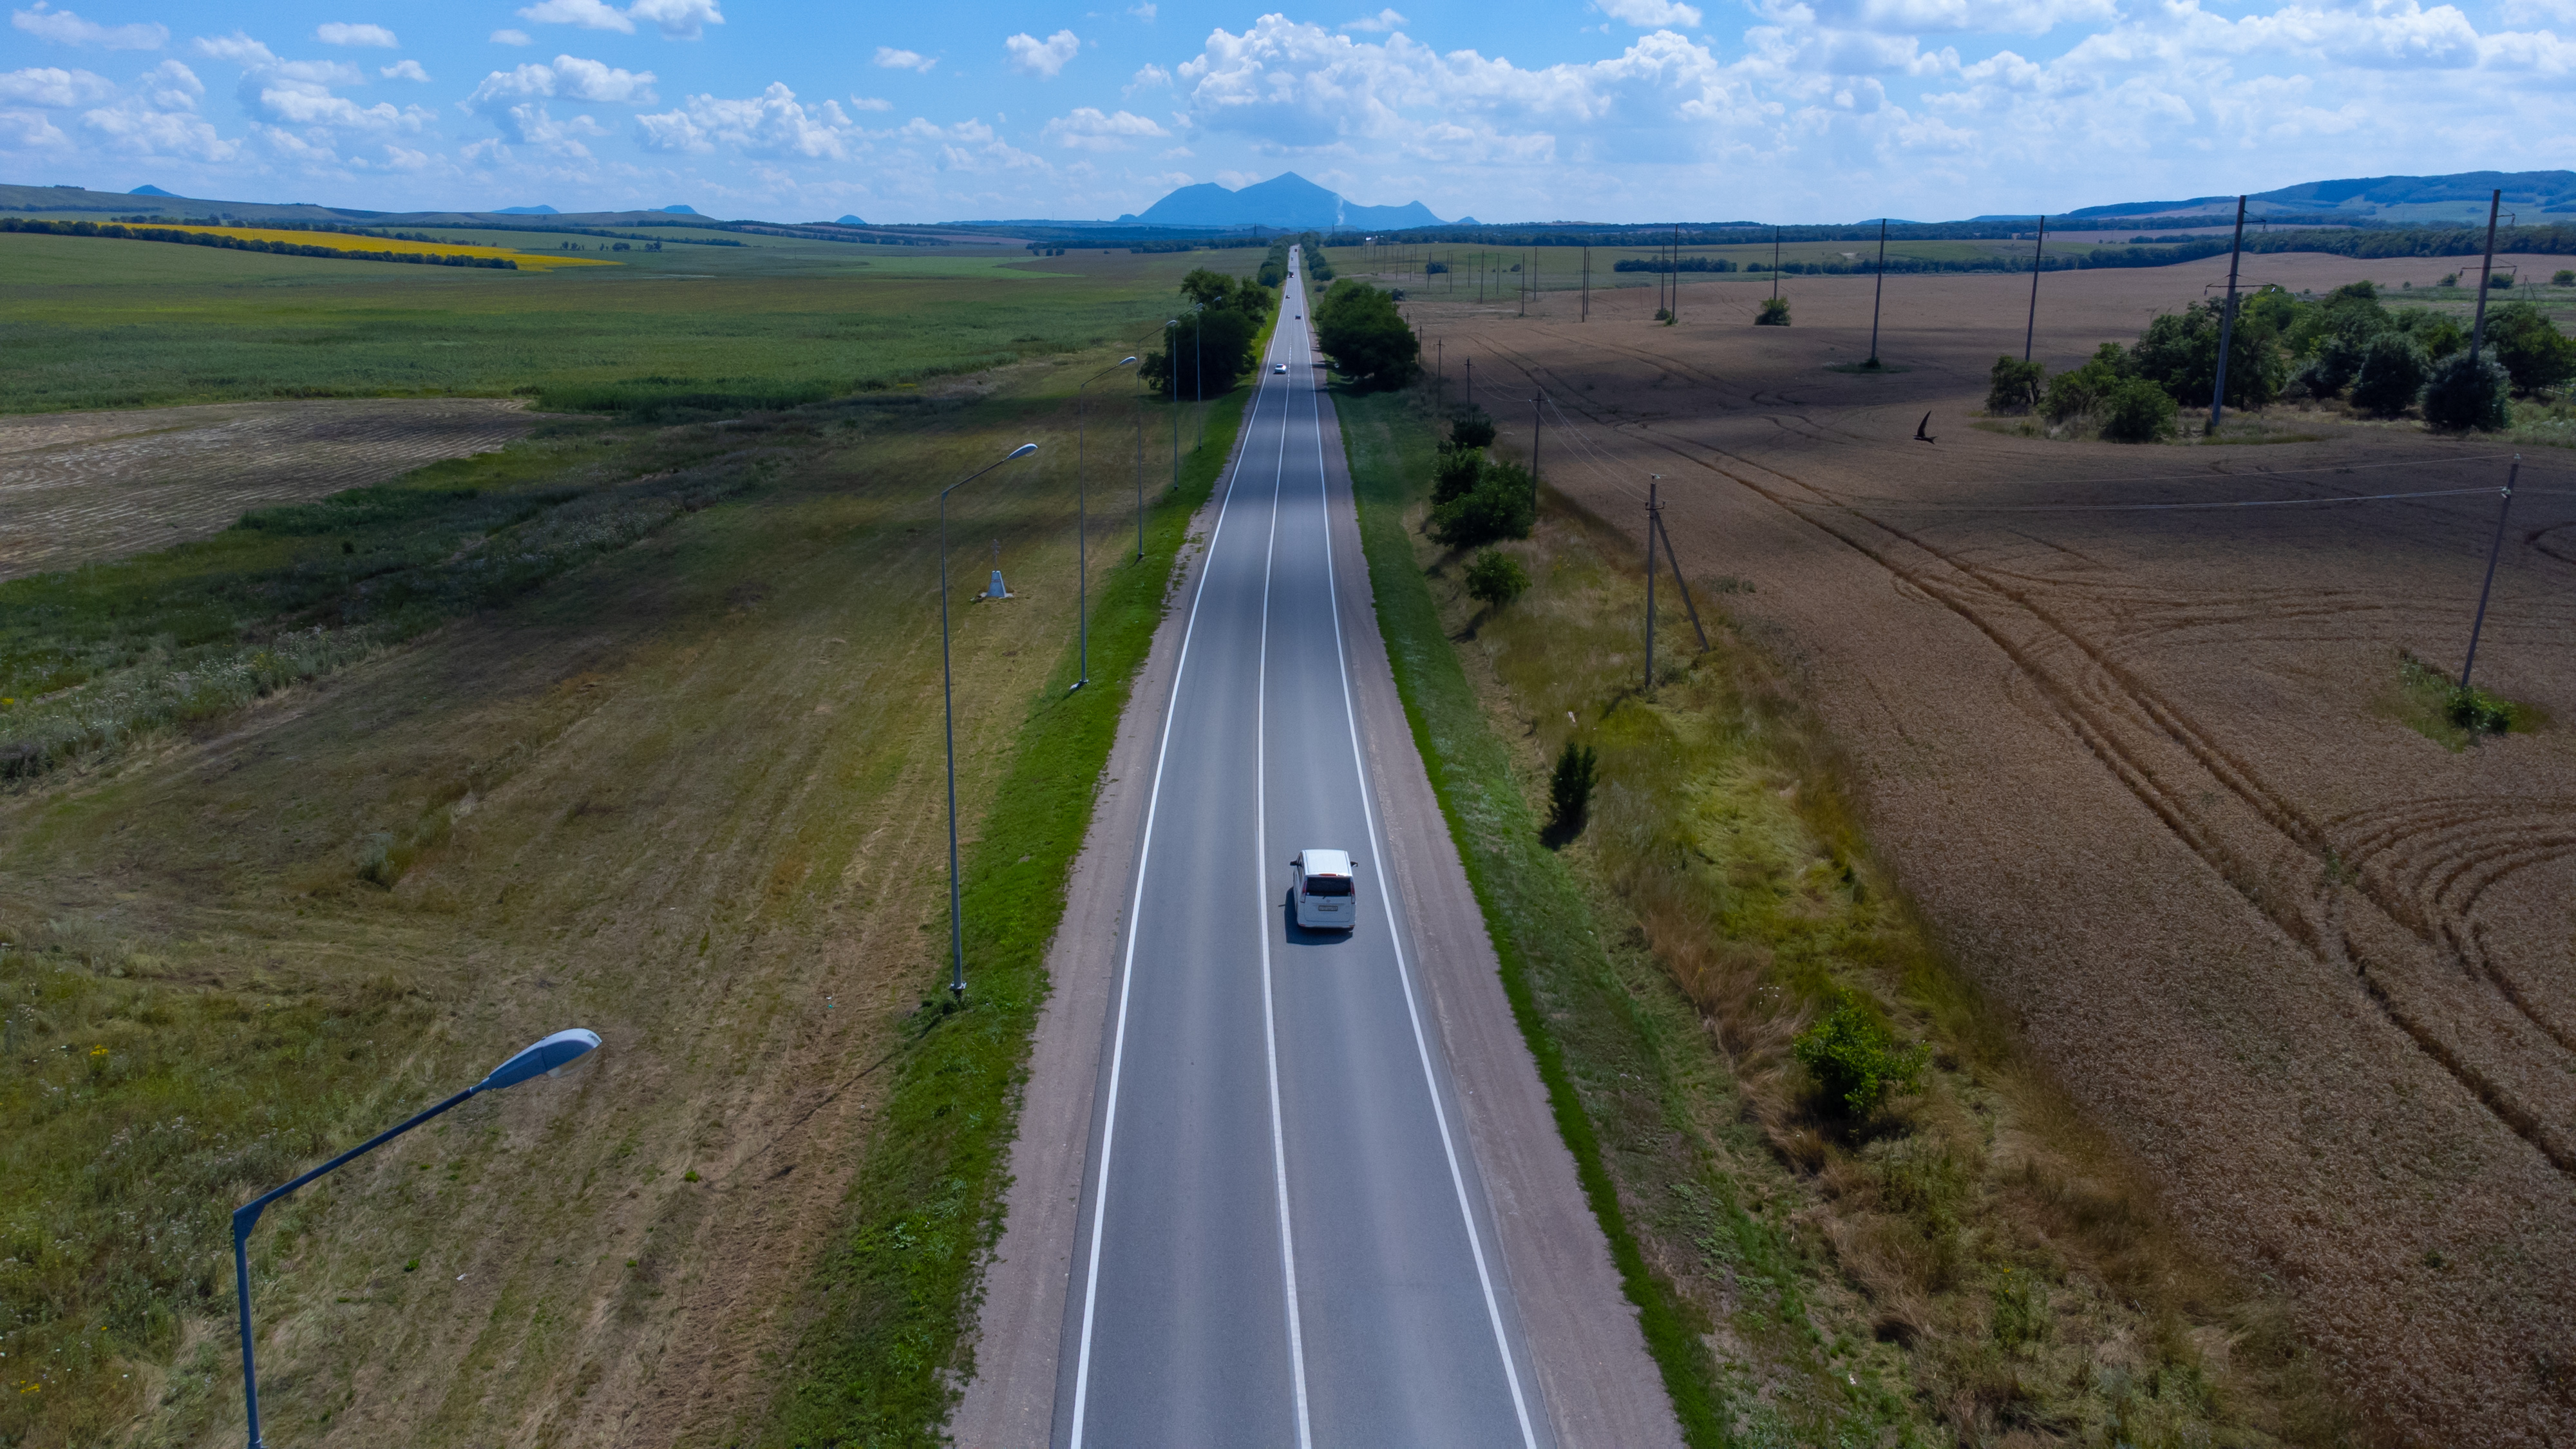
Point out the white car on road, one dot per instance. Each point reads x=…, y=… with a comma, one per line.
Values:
x=1327, y=895
x=1280, y=368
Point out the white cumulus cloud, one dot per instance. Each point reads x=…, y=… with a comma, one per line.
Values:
x=773, y=123
x=238, y=48
x=336, y=33
x=889, y=58
x=1386, y=20
x=512, y=37
x=1032, y=56
x=1649, y=14
x=62, y=27
x=1087, y=129
x=678, y=19
x=404, y=70
x=53, y=88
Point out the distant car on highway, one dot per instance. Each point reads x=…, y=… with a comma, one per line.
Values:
x=1281, y=369
x=1326, y=895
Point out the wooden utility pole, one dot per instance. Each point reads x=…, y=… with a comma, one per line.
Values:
x=2036, y=257
x=1587, y=282
x=1651, y=511
x=1878, y=292
x=2486, y=274
x=2226, y=320
x=2494, y=548
x=1675, y=311
x=1538, y=420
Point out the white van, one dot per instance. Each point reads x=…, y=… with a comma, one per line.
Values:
x=1327, y=896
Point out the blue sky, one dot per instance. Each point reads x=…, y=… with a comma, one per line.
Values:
x=1612, y=110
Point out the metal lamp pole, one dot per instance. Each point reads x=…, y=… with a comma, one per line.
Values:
x=1198, y=369
x=1082, y=512
x=1172, y=392
x=545, y=1057
x=1140, y=465
x=948, y=705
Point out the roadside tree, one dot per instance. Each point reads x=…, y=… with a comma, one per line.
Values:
x=1364, y=336
x=2459, y=396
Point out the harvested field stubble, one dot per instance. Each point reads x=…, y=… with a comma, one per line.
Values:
x=2312, y=967
x=80, y=487
x=685, y=792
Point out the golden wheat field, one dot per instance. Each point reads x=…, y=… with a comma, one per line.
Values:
x=2166, y=779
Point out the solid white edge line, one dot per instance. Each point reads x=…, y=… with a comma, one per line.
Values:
x=1395, y=938
x=1261, y=877
x=1127, y=967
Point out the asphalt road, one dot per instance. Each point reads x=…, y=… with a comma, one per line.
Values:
x=1283, y=1238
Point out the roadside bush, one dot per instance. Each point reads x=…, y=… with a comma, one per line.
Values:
x=2179, y=352
x=1774, y=313
x=1569, y=790
x=1454, y=472
x=2014, y=385
x=1469, y=427
x=1495, y=579
x=2533, y=352
x=2392, y=374
x=1363, y=335
x=1500, y=506
x=2458, y=396
x=2082, y=390
x=2137, y=411
x=1212, y=348
x=1854, y=1058
x=1433, y=269
x=2329, y=369
x=2562, y=278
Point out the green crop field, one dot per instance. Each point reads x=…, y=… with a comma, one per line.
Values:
x=96, y=323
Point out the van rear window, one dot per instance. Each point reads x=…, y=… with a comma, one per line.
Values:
x=1328, y=885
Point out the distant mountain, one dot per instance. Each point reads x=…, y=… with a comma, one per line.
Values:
x=848, y=220
x=1285, y=200
x=150, y=191
x=681, y=210
x=526, y=211
x=2461, y=196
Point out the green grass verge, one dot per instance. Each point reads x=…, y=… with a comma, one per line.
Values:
x=883, y=1361
x=1582, y=1025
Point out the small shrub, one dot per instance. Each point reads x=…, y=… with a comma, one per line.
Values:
x=2478, y=712
x=2449, y=279
x=1495, y=579
x=2083, y=389
x=2137, y=411
x=1503, y=505
x=2014, y=385
x=1455, y=471
x=2330, y=369
x=1774, y=313
x=1663, y=314
x=2499, y=279
x=2392, y=374
x=1433, y=269
x=1569, y=790
x=1854, y=1058
x=2562, y=278
x=2460, y=396
x=1469, y=427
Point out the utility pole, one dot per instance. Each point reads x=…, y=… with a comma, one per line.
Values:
x=2486, y=272
x=1538, y=421
x=2035, y=257
x=2493, y=548
x=1775, y=264
x=2226, y=320
x=1677, y=275
x=1652, y=512
x=1878, y=292
x=1587, y=281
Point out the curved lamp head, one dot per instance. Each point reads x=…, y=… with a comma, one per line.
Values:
x=545, y=1056
x=1122, y=362
x=1022, y=451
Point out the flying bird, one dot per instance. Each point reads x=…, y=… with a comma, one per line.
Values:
x=1921, y=436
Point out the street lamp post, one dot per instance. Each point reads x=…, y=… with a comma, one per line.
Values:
x=546, y=1056
x=1198, y=368
x=948, y=706
x=1082, y=511
x=1172, y=393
